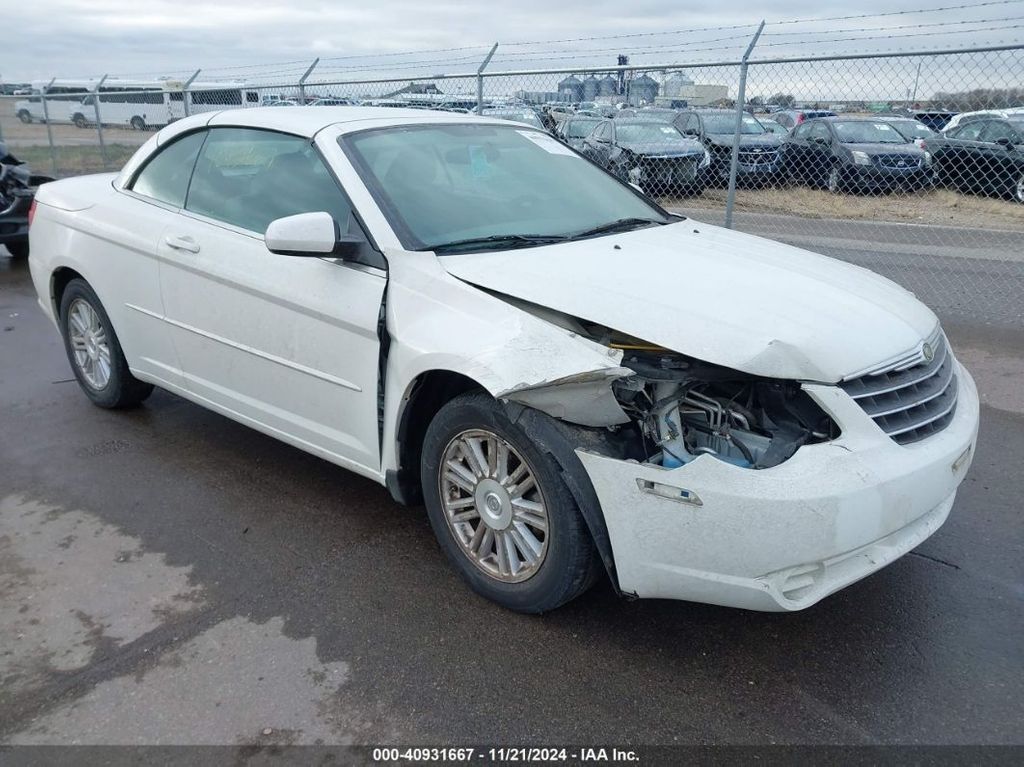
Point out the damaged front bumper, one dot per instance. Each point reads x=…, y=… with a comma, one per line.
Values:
x=783, y=538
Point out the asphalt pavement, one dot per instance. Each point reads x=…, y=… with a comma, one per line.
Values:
x=170, y=576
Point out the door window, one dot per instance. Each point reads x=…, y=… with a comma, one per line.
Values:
x=820, y=131
x=165, y=176
x=803, y=131
x=969, y=132
x=995, y=130
x=249, y=178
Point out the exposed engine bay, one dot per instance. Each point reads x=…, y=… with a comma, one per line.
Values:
x=678, y=408
x=685, y=408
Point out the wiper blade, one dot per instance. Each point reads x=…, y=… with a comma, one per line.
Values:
x=621, y=225
x=498, y=241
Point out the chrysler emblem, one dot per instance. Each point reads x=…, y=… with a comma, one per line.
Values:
x=927, y=352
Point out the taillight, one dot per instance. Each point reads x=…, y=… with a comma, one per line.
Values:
x=31, y=212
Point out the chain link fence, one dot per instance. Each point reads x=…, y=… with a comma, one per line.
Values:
x=911, y=165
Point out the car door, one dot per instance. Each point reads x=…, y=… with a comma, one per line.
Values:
x=794, y=152
x=148, y=203
x=285, y=343
x=998, y=156
x=599, y=144
x=958, y=162
x=818, y=152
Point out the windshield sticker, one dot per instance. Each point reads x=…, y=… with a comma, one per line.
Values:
x=478, y=164
x=668, y=129
x=547, y=143
x=883, y=126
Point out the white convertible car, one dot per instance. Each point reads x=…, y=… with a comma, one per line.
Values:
x=572, y=380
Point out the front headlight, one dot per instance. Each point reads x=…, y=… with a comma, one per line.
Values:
x=707, y=159
x=861, y=158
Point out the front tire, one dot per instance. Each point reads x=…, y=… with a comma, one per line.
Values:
x=138, y=123
x=25, y=116
x=834, y=182
x=501, y=511
x=94, y=351
x=17, y=249
x=1018, y=190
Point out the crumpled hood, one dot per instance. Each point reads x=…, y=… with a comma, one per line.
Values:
x=727, y=298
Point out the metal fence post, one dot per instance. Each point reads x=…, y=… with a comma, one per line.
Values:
x=185, y=93
x=741, y=102
x=480, y=79
x=302, y=82
x=99, y=119
x=49, y=129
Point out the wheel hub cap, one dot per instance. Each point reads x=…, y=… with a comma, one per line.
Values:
x=89, y=345
x=493, y=506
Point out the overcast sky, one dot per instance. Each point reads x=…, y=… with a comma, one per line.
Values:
x=69, y=38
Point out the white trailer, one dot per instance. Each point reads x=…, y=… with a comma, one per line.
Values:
x=147, y=104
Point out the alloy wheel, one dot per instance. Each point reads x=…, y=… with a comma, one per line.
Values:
x=494, y=506
x=1019, y=192
x=833, y=180
x=89, y=344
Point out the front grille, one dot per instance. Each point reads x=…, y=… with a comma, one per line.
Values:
x=671, y=170
x=898, y=161
x=757, y=156
x=913, y=398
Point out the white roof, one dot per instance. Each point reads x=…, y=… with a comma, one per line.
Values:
x=299, y=121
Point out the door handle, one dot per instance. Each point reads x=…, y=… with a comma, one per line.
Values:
x=181, y=242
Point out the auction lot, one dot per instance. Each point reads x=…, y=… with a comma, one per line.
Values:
x=169, y=576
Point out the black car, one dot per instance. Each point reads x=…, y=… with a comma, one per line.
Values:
x=716, y=130
x=573, y=130
x=17, y=190
x=984, y=156
x=854, y=154
x=654, y=156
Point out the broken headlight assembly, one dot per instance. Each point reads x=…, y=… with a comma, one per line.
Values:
x=686, y=408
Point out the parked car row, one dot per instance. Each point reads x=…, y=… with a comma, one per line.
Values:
x=656, y=149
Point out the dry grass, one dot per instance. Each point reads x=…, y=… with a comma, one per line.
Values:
x=937, y=207
x=75, y=160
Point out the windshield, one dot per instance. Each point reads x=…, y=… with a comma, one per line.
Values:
x=727, y=124
x=580, y=128
x=648, y=133
x=913, y=129
x=864, y=132
x=439, y=184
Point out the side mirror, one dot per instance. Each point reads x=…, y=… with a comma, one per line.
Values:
x=819, y=140
x=310, y=234
x=1004, y=141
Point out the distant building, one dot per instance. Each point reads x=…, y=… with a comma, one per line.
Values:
x=680, y=87
x=590, y=88
x=643, y=90
x=418, y=89
x=607, y=86
x=570, y=89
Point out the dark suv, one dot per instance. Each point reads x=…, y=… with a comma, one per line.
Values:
x=855, y=154
x=716, y=130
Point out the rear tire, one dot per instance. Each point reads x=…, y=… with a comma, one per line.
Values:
x=1018, y=190
x=25, y=116
x=95, y=353
x=80, y=121
x=138, y=123
x=485, y=509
